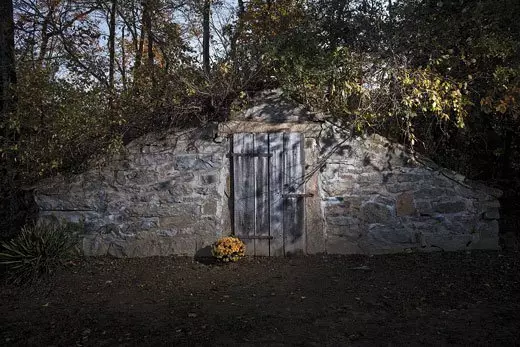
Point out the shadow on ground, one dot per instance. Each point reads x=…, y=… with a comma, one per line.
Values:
x=429, y=299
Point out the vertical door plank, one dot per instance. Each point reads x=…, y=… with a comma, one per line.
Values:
x=238, y=186
x=262, y=194
x=293, y=221
x=244, y=190
x=276, y=190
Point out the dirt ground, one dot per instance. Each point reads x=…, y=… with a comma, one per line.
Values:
x=393, y=300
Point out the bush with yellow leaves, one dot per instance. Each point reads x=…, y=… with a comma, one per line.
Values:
x=228, y=249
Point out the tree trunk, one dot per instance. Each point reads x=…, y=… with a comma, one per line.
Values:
x=111, y=45
x=149, y=34
x=206, y=13
x=7, y=58
x=123, y=58
x=45, y=34
x=140, y=49
x=237, y=32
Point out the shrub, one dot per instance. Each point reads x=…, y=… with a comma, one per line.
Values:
x=38, y=250
x=228, y=249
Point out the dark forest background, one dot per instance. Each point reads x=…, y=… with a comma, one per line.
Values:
x=79, y=79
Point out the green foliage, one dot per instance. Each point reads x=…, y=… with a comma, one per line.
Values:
x=38, y=250
x=59, y=127
x=440, y=76
x=370, y=94
x=56, y=127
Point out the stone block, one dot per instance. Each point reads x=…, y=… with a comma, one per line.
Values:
x=141, y=177
x=344, y=220
x=217, y=159
x=160, y=210
x=209, y=178
x=178, y=221
x=352, y=231
x=370, y=178
x=449, y=242
x=329, y=172
x=450, y=206
x=114, y=218
x=150, y=159
x=120, y=177
x=207, y=225
x=316, y=234
x=95, y=246
x=429, y=193
x=463, y=223
x=467, y=192
x=405, y=205
x=486, y=243
x=380, y=234
x=387, y=239
x=373, y=212
x=194, y=162
x=151, y=245
x=342, y=245
x=443, y=182
x=73, y=201
x=339, y=188
x=79, y=217
x=151, y=198
x=206, y=191
x=209, y=208
x=179, y=190
x=424, y=207
x=491, y=214
x=149, y=223
x=166, y=197
x=401, y=187
x=337, y=209
x=383, y=199
x=354, y=202
x=485, y=205
x=489, y=229
x=409, y=177
x=367, y=190
x=349, y=177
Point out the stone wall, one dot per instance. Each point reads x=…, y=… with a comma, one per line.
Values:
x=169, y=194
x=165, y=195
x=376, y=199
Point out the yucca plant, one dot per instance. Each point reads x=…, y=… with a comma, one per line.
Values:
x=38, y=250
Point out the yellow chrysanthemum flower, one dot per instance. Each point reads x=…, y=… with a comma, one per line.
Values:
x=228, y=249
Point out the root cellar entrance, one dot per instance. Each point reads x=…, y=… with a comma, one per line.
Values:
x=269, y=192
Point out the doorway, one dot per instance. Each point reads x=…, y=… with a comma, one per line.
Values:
x=269, y=192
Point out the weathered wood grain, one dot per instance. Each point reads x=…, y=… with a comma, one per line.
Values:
x=262, y=195
x=293, y=220
x=268, y=192
x=244, y=190
x=276, y=205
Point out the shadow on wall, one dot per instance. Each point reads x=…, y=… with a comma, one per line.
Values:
x=338, y=142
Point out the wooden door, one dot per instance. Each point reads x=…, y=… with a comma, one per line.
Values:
x=268, y=192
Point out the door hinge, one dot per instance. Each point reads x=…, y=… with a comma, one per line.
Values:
x=253, y=237
x=249, y=155
x=295, y=195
